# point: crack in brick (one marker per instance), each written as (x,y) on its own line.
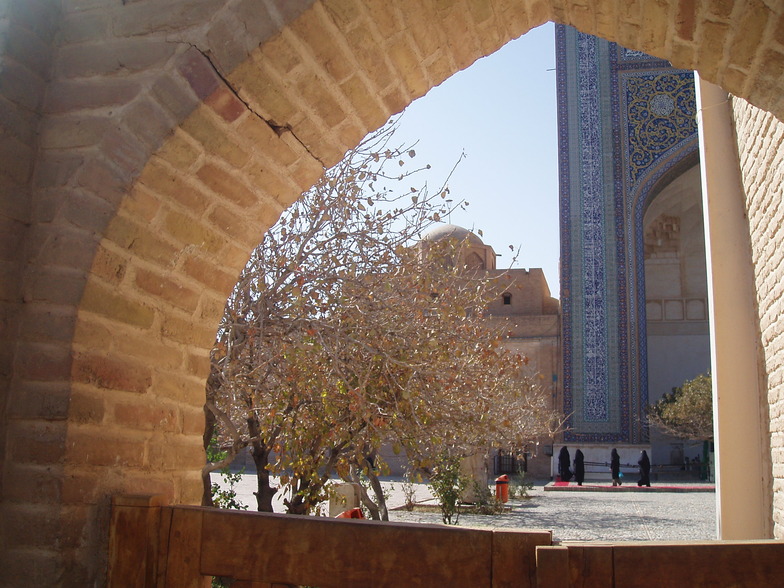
(279,130)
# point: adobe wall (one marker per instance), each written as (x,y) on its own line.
(104,399)
(762,168)
(27,31)
(146,147)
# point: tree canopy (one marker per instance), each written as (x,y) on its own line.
(686,412)
(341,336)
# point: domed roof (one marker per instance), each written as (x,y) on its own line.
(451,231)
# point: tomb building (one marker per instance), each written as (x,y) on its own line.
(531,319)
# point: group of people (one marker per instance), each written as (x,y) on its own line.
(565,472)
(564,469)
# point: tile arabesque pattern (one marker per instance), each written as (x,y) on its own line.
(625,121)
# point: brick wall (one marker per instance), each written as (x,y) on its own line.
(170,135)
(128,257)
(29,417)
(760,138)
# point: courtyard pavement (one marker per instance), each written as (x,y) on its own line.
(685,513)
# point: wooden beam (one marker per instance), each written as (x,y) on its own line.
(184,558)
(134,541)
(514,557)
(343,553)
(721,563)
(153,545)
(251,584)
(552,567)
(590,565)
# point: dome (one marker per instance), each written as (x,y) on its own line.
(452,231)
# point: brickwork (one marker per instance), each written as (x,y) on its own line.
(147,146)
(760,138)
(31,415)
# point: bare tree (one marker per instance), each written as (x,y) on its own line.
(341,336)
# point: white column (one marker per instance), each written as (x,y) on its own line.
(741,495)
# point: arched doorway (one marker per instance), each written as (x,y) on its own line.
(676,294)
(151,145)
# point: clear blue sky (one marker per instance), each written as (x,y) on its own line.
(502,112)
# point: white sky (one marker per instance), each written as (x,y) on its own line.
(502,112)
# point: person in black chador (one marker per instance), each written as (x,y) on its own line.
(645,470)
(615,467)
(563,465)
(579,467)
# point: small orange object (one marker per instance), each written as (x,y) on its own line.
(353,513)
(502,488)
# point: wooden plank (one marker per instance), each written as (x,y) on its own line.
(514,557)
(133,541)
(717,563)
(183,568)
(140,500)
(251,584)
(168,546)
(590,565)
(343,553)
(552,567)
(163,547)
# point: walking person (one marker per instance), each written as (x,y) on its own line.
(563,465)
(615,467)
(645,470)
(579,467)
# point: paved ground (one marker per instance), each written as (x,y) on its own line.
(575,516)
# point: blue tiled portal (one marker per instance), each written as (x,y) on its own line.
(625,119)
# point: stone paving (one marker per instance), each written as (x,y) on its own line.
(572,516)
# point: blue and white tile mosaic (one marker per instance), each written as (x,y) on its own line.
(592,229)
(625,119)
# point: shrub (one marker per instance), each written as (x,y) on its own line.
(448,484)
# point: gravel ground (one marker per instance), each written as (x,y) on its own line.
(572,516)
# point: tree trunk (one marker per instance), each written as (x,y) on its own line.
(381,500)
(298,505)
(264,492)
(260,452)
(209,431)
(367,502)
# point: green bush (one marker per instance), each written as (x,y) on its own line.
(485,502)
(224,498)
(519,486)
(447,484)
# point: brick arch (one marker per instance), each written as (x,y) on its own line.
(171,137)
